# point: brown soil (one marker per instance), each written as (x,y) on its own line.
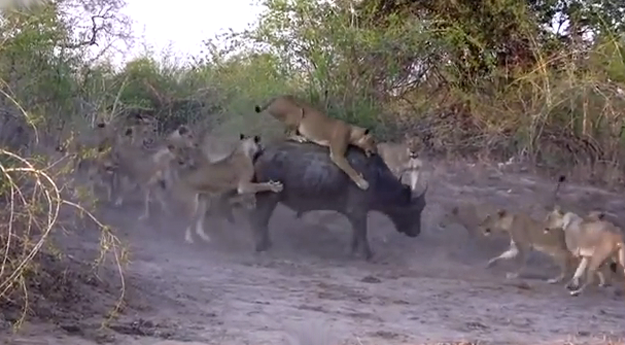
(306,290)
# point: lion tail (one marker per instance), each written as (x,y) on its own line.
(260,109)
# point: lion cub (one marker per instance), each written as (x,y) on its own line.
(198,180)
(526,234)
(592,238)
(305,123)
(403,158)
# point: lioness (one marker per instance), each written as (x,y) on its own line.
(146,168)
(198,180)
(526,234)
(469,214)
(305,123)
(403,158)
(591,238)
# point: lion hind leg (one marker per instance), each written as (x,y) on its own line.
(200,212)
(192,211)
(146,203)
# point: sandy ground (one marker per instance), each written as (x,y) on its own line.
(305,290)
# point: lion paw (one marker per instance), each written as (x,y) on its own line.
(362,184)
(298,138)
(511,275)
(573,284)
(575,292)
(203,235)
(188,239)
(554,280)
(276,186)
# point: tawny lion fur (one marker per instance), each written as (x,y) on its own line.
(592,238)
(526,234)
(469,214)
(403,158)
(198,180)
(147,168)
(305,123)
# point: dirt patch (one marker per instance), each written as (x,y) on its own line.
(305,290)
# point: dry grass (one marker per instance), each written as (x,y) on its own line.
(31,204)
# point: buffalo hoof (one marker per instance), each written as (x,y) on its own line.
(364,254)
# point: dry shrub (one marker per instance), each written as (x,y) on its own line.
(30,210)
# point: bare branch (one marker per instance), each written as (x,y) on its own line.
(92,40)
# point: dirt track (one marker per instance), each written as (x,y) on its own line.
(431,289)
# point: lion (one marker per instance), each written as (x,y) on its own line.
(591,238)
(403,158)
(469,214)
(305,123)
(147,168)
(197,180)
(525,234)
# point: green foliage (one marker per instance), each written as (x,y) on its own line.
(499,75)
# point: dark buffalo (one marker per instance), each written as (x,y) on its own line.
(313,182)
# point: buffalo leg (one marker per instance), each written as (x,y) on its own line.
(358,222)
(259,221)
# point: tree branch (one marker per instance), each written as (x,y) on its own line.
(92,40)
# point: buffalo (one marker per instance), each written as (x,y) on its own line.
(313,182)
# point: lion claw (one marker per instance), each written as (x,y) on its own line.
(362,184)
(276,186)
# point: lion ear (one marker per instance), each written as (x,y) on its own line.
(454,210)
(241,136)
(256,139)
(501,213)
(367,131)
